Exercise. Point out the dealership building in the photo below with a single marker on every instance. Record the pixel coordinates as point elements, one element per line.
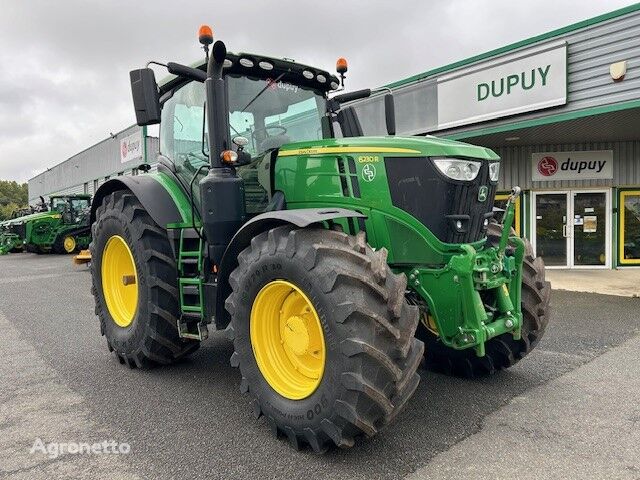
<point>562,110</point>
<point>121,153</point>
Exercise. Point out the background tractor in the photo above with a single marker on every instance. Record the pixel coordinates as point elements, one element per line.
<point>324,254</point>
<point>61,227</point>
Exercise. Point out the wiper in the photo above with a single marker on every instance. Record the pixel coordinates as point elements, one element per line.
<point>262,91</point>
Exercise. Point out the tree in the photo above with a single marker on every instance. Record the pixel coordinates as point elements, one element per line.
<point>12,196</point>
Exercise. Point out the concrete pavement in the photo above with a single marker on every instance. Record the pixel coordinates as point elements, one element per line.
<point>189,420</point>
<point>584,424</point>
<point>624,282</point>
<point>36,405</point>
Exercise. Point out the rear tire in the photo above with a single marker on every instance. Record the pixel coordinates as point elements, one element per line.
<point>502,351</point>
<point>368,328</point>
<point>152,336</point>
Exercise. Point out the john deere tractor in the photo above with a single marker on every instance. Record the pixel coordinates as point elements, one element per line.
<point>330,258</point>
<point>61,227</point>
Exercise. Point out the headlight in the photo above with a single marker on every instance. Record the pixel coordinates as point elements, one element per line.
<point>458,169</point>
<point>494,171</point>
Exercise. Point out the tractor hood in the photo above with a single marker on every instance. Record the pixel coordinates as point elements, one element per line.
<point>33,216</point>
<point>428,146</point>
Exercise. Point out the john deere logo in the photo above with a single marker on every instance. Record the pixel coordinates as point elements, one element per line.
<point>482,193</point>
<point>368,172</point>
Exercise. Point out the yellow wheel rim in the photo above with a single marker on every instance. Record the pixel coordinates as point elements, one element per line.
<point>287,340</point>
<point>69,244</point>
<point>119,281</point>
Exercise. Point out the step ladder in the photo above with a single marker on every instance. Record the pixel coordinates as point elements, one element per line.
<point>192,322</point>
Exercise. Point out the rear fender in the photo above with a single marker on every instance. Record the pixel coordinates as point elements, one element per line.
<point>152,194</point>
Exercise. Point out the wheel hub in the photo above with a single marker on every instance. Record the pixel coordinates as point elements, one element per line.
<point>296,335</point>
<point>287,340</point>
<point>69,244</point>
<point>119,281</point>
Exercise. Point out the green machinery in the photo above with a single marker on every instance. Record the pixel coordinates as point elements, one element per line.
<point>60,227</point>
<point>330,258</point>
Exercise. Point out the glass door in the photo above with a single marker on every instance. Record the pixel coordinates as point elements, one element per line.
<point>550,236</point>
<point>572,228</point>
<point>590,230</point>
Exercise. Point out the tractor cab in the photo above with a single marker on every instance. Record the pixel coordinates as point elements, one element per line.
<point>72,207</point>
<point>269,103</point>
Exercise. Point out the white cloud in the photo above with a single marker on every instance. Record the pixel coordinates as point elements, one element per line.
<point>64,82</point>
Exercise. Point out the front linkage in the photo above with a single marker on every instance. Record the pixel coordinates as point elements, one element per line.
<point>477,295</point>
<point>9,242</point>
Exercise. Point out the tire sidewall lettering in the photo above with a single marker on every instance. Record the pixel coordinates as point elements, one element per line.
<point>257,274</point>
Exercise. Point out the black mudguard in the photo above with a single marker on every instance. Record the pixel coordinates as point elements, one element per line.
<point>242,239</point>
<point>156,200</point>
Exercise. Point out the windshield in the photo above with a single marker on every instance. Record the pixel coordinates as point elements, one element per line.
<point>59,203</point>
<point>270,112</point>
<point>69,205</point>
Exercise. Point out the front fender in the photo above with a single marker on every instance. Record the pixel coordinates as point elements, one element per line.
<point>301,218</point>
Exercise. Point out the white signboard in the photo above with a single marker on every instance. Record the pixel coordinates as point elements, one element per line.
<point>526,80</point>
<point>131,147</point>
<point>572,165</point>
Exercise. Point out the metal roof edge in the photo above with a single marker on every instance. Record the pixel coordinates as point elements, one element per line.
<point>544,120</point>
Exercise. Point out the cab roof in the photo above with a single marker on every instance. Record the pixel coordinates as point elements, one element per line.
<point>251,64</point>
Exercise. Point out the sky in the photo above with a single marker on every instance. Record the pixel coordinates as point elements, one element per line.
<point>64,82</point>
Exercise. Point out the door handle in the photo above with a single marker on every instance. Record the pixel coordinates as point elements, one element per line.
<point>564,231</point>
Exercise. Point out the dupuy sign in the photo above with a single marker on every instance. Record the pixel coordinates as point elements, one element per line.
<point>592,165</point>
<point>518,82</point>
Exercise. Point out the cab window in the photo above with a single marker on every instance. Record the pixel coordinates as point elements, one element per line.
<point>181,131</point>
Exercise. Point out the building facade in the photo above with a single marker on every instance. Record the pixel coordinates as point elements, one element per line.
<point>120,154</point>
<point>563,111</point>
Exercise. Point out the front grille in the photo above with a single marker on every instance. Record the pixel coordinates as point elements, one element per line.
<point>418,188</point>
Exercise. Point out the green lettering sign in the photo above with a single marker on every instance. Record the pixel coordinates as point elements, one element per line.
<point>513,83</point>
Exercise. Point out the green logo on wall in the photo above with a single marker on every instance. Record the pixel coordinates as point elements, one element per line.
<point>510,83</point>
<point>483,193</point>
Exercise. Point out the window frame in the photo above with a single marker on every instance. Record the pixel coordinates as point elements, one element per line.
<point>622,195</point>
<point>517,223</point>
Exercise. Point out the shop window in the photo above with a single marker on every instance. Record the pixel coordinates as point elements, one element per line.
<point>629,208</point>
<point>501,202</point>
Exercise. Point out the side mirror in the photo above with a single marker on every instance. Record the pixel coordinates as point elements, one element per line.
<point>390,114</point>
<point>146,98</point>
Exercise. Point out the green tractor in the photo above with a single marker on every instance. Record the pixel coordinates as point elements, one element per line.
<point>11,242</point>
<point>331,259</point>
<point>61,227</point>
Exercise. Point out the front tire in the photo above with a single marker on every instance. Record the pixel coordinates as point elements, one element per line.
<point>503,351</point>
<point>368,350</point>
<point>134,283</point>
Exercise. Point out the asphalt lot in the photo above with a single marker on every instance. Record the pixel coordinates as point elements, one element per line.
<point>190,419</point>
